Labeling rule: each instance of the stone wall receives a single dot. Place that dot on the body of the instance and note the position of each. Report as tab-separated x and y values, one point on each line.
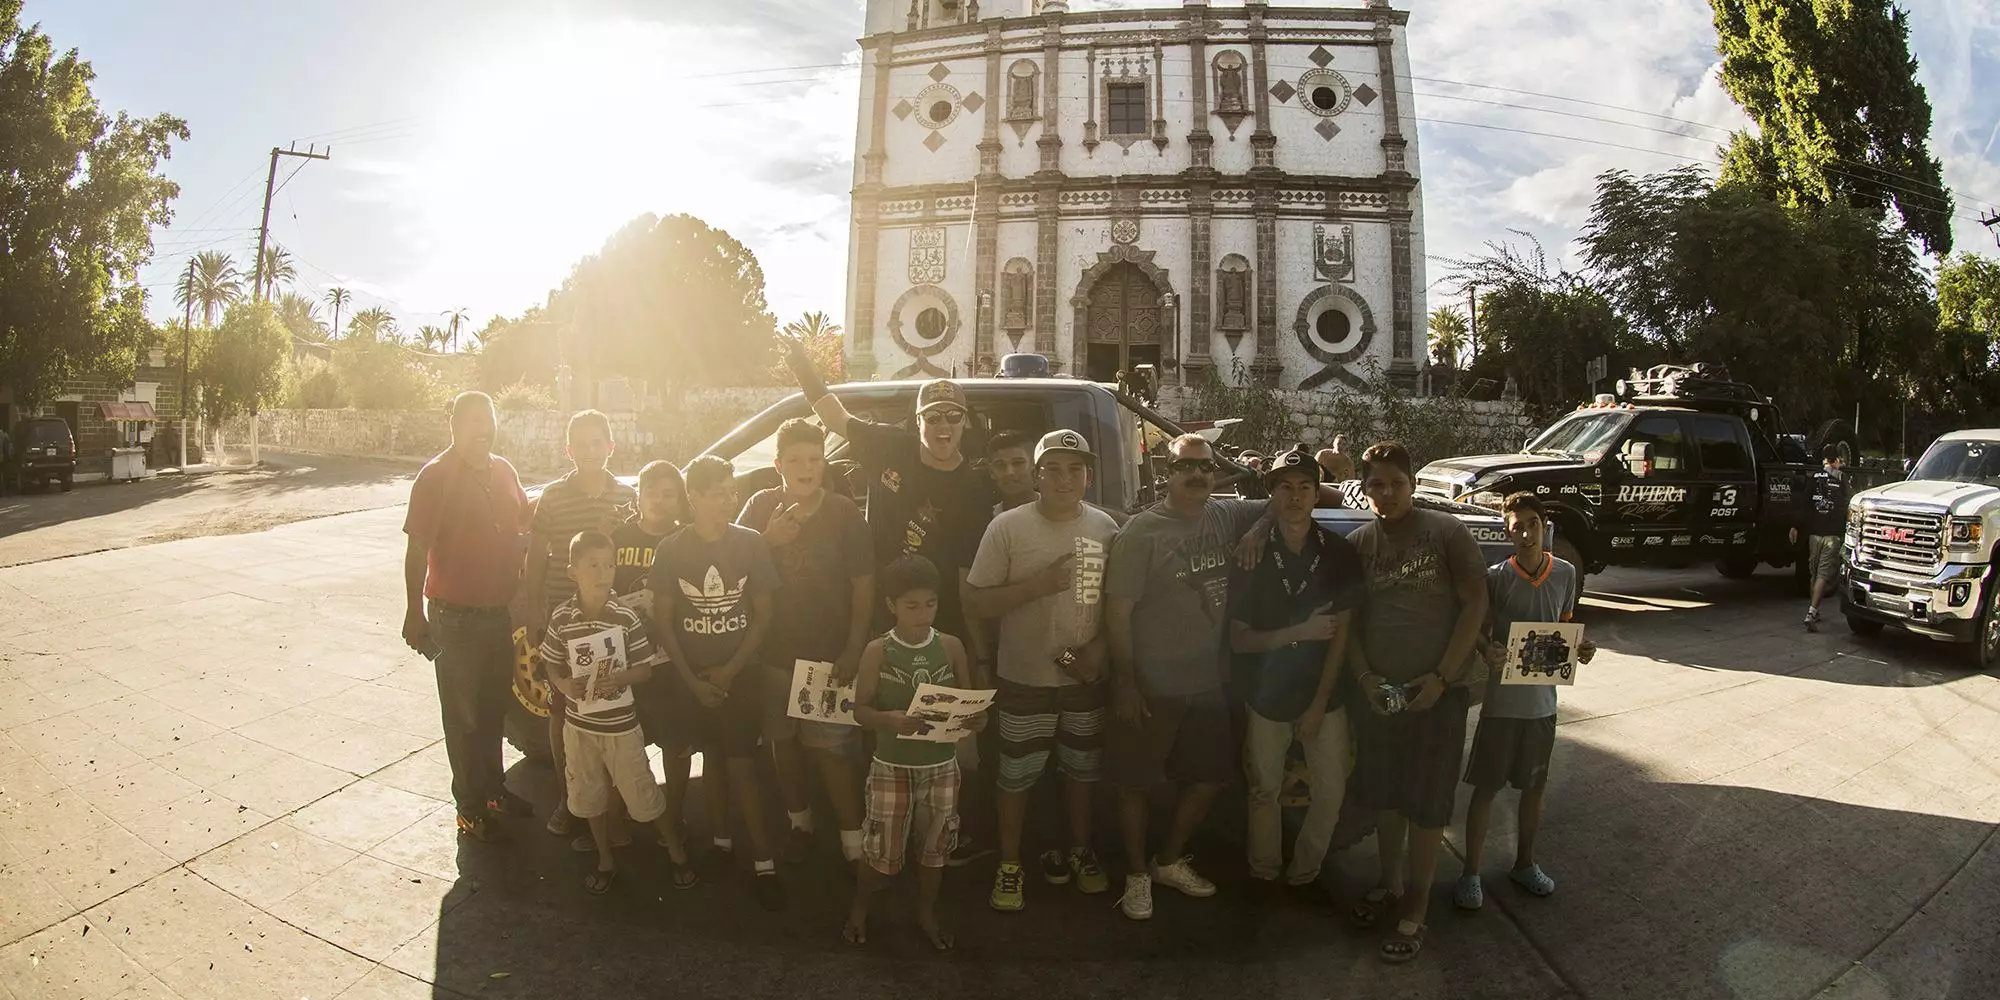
1431	427
533	440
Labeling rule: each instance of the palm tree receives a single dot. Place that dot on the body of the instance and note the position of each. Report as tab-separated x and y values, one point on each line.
453	320
1448	335
212	284
821	335
337	297
432	337
277	267
374	323
301	316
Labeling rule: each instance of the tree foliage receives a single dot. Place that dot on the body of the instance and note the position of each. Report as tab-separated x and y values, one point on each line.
374	324
1540	328
243	362
1449	335
384	375
80	192
822	338
211	283
1841	118
670	300
301	318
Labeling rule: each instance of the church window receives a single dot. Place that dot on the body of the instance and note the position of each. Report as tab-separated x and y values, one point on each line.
1325	98
941	111
930	324
1332	326
1127	108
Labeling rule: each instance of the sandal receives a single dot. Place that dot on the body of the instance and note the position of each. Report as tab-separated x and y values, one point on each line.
1534	879
1369	910
682	874
598	882
1403	946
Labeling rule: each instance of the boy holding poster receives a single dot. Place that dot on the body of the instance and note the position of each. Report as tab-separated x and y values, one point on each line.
594	650
1517	723
909	779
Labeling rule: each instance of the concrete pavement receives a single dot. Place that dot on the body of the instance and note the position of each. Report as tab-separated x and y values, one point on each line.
221	775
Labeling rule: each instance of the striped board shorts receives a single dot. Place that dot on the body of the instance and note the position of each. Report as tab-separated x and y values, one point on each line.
1408	762
1036	721
900	799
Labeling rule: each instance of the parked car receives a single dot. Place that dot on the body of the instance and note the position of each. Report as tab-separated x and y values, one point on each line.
44	453
1921	554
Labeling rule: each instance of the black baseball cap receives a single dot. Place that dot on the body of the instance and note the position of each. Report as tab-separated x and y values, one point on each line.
1297	457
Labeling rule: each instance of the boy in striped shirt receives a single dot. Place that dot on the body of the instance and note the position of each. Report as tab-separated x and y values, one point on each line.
594	650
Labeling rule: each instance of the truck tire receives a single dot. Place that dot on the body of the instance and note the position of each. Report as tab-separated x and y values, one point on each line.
527	725
1565	550
1737	567
66	482
1834	432
1986	643
1867	628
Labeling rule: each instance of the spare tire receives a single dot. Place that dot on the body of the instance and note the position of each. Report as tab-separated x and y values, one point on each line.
1834	432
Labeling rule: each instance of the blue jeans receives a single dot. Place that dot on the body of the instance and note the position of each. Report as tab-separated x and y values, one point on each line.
475	671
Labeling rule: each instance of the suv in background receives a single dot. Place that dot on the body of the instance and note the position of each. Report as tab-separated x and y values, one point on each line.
44	453
1921	553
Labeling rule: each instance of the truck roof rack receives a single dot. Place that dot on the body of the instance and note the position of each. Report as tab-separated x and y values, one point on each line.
1687	385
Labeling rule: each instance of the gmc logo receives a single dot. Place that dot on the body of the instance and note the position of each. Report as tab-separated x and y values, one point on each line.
1904	535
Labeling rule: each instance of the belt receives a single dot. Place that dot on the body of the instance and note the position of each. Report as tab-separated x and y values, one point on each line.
440	604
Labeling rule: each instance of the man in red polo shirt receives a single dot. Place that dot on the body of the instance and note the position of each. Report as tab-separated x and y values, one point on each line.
466	518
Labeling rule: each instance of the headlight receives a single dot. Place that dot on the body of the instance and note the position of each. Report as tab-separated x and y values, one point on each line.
1965	531
1487	498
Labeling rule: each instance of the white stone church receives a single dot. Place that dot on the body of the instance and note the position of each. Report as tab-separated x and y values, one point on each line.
1229	185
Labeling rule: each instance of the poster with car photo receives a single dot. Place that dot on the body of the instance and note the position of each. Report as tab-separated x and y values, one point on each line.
1542	653
815	698
945	710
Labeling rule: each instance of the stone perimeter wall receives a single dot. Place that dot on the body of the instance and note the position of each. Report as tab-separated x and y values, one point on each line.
1496	425
533	440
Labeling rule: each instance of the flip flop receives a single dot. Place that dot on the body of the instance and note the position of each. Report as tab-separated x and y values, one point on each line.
854	935
1534	879
1403	946
1369	910
597	883
683	875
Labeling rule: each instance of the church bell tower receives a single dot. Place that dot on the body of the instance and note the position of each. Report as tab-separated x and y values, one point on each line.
915	15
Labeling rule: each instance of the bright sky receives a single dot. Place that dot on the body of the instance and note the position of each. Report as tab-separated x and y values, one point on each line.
481	147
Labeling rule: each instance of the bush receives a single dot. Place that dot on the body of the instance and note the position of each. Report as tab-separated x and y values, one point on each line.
385	376
523	396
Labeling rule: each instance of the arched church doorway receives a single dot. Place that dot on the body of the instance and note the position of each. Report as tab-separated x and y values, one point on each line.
1124	323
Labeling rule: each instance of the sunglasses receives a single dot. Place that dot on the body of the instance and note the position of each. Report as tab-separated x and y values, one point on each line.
951	417
1192	465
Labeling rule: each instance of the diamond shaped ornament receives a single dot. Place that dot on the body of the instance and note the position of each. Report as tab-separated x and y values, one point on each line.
1320	56
902	109
972	102
933	141
939	72
1327	130
1365	94
1283	91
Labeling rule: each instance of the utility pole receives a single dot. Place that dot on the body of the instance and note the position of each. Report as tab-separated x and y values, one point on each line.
263	236
187	339
1472	316
1989	221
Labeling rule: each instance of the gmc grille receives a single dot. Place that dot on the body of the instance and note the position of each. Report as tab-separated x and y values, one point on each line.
1901	540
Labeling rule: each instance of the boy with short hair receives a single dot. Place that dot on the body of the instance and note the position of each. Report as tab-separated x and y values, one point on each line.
826	596
586	498
593	651
1010	460
908	778
1517	722
712	584
661	511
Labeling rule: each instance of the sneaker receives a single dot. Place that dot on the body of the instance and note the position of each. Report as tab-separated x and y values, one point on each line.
1090	879
1812	619
560	821
1470	894
1182	876
1137	902
483	828
1055	867
1007	889
770	890
510	805
967	851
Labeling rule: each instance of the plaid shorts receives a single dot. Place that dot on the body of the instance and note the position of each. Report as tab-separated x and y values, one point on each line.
900	798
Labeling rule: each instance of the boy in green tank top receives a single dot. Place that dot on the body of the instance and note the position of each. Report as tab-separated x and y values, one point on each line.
910	782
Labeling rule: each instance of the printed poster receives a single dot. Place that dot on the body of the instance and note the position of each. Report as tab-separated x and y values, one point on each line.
595	657
1542	653
815	699
945	710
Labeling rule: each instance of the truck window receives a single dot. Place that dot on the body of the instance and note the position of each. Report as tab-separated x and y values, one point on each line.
1723	444
1663	432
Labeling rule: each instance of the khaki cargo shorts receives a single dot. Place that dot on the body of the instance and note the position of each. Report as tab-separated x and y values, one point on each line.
1823	559
596	765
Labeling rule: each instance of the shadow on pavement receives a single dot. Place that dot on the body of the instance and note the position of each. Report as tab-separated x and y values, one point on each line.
280	474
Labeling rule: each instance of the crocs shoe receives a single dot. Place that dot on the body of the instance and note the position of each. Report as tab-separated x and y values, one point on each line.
1470	894
1534	879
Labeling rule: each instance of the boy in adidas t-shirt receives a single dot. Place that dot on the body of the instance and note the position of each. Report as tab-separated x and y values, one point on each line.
908	778
1517	722
593	651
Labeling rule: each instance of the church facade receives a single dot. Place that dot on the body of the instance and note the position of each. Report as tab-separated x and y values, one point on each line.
1204	187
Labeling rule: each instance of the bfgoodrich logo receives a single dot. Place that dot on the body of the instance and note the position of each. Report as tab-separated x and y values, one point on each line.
718	608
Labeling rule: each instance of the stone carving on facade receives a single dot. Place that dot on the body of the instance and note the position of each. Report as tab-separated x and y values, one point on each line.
1017	296
1327	332
931	314
1333	252
1232	102
1125	230
1232	297
927	256
1024	87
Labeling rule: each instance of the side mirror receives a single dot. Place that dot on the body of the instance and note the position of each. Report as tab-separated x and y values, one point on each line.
1638	458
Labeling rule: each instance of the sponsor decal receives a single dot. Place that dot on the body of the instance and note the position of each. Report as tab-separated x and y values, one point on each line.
1541	491
1592	492
1780	490
1740	537
892	480
1713	540
1651	494
1569	490
1654	540
1723	512
1725	496
1681	540
1621	542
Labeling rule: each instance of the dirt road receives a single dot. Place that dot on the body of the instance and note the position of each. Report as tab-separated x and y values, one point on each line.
286	488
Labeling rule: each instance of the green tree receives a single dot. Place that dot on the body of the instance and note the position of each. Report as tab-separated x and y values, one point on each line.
301	317
452	321
337	297
243	364
1448	331
669	300
80	193
375	324
432	337
1968	295
1541	327
821	335
277	267
212	284
383	375
1841	118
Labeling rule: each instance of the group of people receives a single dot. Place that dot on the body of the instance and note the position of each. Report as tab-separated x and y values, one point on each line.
1183	646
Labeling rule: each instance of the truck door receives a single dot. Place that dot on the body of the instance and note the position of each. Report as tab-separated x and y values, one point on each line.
1725	499
1650	507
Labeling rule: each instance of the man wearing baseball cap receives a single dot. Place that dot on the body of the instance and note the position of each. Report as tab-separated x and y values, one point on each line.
1040	572
1289	620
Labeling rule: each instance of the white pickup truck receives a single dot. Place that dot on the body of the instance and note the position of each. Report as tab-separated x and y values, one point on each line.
1920	553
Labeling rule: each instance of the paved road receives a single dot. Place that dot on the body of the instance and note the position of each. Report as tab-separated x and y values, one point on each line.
220	776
